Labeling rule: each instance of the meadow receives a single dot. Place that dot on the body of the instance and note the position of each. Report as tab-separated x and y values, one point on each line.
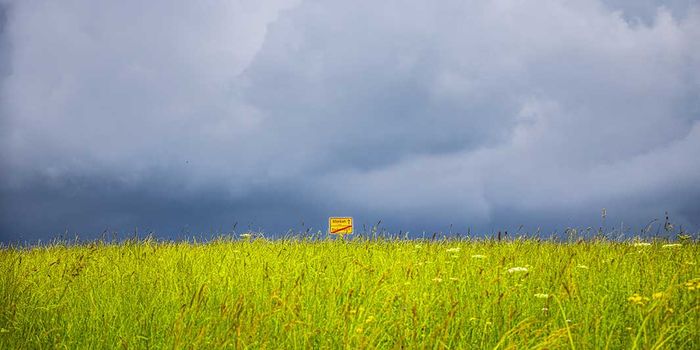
253	292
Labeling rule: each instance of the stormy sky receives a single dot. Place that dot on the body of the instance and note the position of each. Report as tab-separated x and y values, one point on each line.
185	117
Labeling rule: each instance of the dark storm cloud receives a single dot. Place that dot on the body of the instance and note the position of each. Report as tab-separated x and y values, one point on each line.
481	113
92	207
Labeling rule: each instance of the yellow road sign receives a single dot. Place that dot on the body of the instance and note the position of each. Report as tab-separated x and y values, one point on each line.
339	226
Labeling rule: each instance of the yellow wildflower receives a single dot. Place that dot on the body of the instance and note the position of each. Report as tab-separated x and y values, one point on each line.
657	295
478	256
671	245
637	299
693	284
541	295
453	250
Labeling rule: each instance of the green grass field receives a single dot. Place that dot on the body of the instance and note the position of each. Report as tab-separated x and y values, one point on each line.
259	293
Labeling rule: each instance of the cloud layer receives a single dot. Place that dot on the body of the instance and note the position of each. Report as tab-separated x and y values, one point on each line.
180	116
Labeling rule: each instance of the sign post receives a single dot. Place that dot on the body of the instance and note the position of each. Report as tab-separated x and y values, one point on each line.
340	225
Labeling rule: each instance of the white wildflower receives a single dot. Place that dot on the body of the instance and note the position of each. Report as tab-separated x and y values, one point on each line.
517	269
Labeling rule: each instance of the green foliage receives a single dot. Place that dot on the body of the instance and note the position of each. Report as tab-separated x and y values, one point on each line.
258	293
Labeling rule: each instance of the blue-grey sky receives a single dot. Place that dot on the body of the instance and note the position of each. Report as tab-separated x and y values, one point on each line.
189	116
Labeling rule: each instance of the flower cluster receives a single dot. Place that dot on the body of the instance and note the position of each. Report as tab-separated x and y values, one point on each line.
637	299
693	284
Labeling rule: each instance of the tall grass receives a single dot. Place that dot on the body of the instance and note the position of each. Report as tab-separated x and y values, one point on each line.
295	293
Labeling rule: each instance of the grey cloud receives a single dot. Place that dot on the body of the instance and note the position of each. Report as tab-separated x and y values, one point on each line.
4	44
568	107
644	11
480	113
347	92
